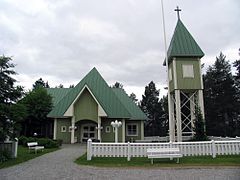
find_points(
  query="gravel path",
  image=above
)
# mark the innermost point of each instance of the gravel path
(60, 165)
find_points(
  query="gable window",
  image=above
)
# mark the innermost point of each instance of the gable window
(188, 71)
(132, 130)
(63, 128)
(107, 129)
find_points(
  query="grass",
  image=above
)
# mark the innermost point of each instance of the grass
(230, 160)
(24, 155)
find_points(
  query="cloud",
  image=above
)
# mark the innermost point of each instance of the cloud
(61, 41)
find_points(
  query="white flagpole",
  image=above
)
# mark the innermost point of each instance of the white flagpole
(170, 117)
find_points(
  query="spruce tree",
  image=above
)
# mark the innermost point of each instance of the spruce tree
(220, 99)
(133, 97)
(153, 108)
(10, 112)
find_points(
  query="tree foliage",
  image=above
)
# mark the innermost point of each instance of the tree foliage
(199, 126)
(10, 112)
(40, 83)
(133, 97)
(118, 85)
(38, 104)
(153, 108)
(221, 105)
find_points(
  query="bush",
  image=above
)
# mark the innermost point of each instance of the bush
(46, 142)
(23, 140)
(59, 141)
(4, 155)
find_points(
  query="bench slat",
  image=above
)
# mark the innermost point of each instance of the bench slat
(163, 150)
(166, 156)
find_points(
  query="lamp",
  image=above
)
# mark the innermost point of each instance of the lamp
(116, 124)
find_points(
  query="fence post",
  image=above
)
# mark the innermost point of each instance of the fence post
(89, 150)
(170, 145)
(129, 151)
(14, 147)
(213, 149)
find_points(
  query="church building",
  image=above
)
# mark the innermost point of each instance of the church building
(87, 110)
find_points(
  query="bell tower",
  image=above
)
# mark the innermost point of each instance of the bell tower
(185, 82)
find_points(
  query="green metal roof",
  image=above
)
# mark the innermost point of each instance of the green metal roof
(183, 44)
(109, 101)
(133, 109)
(57, 94)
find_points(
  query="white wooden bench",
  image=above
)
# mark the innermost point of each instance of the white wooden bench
(34, 146)
(164, 153)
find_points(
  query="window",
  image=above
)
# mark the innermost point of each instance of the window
(63, 129)
(132, 130)
(170, 74)
(108, 129)
(188, 71)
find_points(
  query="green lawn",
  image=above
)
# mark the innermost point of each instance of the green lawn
(232, 160)
(24, 155)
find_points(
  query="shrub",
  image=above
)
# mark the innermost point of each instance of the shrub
(23, 140)
(46, 142)
(59, 141)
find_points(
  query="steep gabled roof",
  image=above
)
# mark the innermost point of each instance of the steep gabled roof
(183, 44)
(101, 91)
(57, 94)
(133, 109)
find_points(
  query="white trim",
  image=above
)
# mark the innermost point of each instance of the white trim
(55, 129)
(175, 74)
(142, 130)
(63, 128)
(200, 71)
(73, 130)
(70, 109)
(170, 74)
(123, 130)
(107, 129)
(132, 124)
(99, 129)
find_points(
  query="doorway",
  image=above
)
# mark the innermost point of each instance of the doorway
(88, 132)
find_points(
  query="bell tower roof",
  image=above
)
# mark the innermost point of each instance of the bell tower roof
(183, 44)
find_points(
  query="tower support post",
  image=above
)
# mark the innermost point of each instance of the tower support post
(178, 115)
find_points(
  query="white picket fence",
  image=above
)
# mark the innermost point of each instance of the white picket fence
(129, 150)
(215, 138)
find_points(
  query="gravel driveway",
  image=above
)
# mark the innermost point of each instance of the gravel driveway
(60, 165)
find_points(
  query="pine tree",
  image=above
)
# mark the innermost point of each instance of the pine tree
(118, 85)
(133, 97)
(10, 112)
(153, 108)
(220, 99)
(40, 83)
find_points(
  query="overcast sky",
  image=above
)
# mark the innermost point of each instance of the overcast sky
(62, 40)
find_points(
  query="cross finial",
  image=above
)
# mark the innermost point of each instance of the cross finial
(178, 10)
